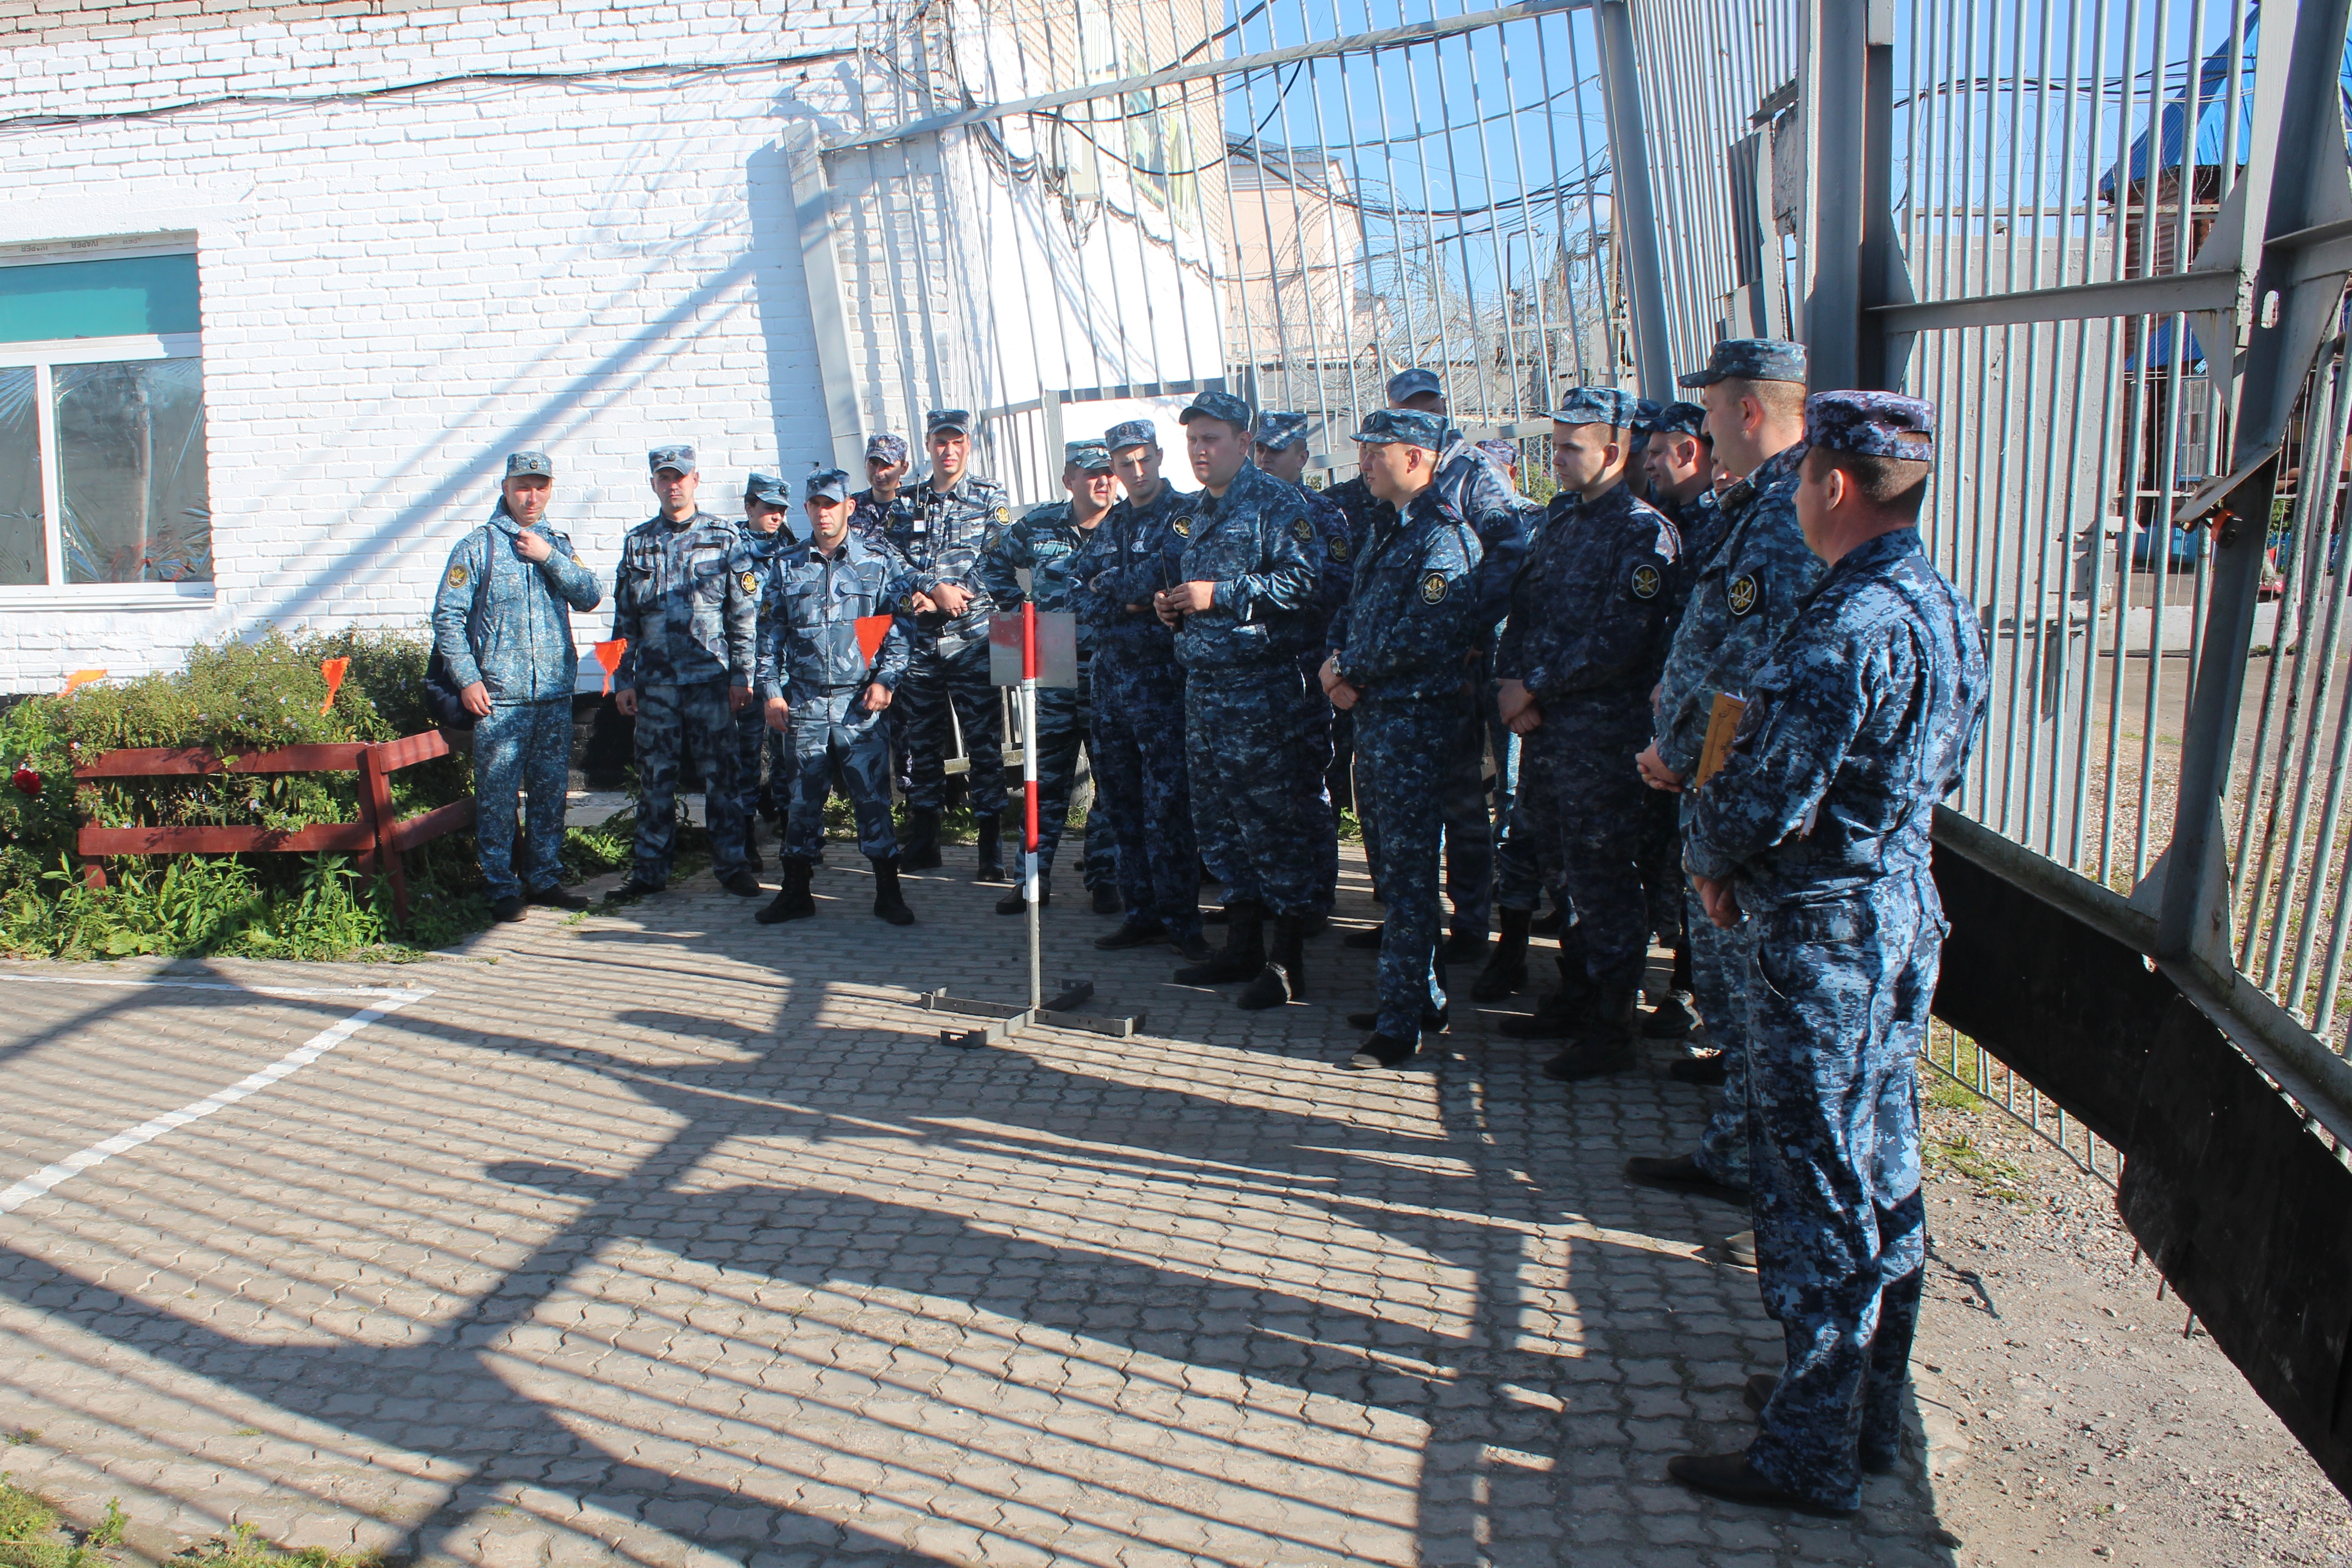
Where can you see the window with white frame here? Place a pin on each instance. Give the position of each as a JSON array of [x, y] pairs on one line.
[[102, 423]]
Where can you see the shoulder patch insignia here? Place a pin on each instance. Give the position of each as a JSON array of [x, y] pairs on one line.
[[456, 576], [1740, 593], [1003, 515], [1183, 527], [1433, 588], [1339, 548], [750, 583], [1645, 581], [1303, 529]]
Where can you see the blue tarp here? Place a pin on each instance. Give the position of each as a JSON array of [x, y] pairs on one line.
[[2212, 106]]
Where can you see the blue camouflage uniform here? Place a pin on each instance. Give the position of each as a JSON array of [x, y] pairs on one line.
[[1045, 541], [1586, 636], [1136, 740], [1699, 521], [940, 534], [687, 598], [1276, 431], [810, 657], [1857, 723], [1741, 601], [507, 622], [1243, 688], [754, 741], [1480, 489], [1413, 618]]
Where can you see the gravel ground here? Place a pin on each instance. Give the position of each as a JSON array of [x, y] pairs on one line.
[[2094, 1432]]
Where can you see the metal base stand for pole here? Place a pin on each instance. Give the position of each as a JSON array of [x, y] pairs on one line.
[[1004, 1019]]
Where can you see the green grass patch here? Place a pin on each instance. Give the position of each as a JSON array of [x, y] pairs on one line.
[[1992, 1174], [243, 1547]]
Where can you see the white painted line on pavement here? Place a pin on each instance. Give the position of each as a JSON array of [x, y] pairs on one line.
[[225, 985], [293, 1061]]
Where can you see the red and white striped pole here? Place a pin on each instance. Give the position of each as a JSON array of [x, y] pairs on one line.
[[1030, 878]]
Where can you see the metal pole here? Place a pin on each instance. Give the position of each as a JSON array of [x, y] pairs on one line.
[[1635, 218], [1030, 889], [1837, 39]]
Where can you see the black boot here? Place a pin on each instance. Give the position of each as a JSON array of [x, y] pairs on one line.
[[1243, 953], [1507, 966], [1558, 1016], [919, 849], [991, 858], [1365, 940], [1465, 944], [793, 903], [1672, 1018], [1284, 978], [1381, 1051], [887, 904], [1604, 1046], [1013, 903]]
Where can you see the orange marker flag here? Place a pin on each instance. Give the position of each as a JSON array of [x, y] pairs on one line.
[[79, 678], [334, 670], [871, 630], [608, 654]]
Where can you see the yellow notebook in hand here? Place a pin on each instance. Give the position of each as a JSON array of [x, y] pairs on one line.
[[1722, 724]]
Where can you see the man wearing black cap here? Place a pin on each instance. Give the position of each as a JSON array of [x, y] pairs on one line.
[[1044, 543], [1137, 734], [1239, 610], [1742, 600], [1817, 835], [1578, 659], [940, 529], [687, 601], [765, 497]]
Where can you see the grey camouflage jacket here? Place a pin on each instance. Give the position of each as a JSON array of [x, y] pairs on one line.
[[507, 622], [687, 596]]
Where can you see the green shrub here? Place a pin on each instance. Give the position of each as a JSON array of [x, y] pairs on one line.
[[236, 698]]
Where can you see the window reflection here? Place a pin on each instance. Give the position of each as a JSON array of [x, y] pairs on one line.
[[131, 472], [24, 555]]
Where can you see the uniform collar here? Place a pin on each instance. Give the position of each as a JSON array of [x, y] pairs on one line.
[[696, 519]]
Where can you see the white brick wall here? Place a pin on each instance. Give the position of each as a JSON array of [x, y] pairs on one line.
[[398, 291], [402, 286]]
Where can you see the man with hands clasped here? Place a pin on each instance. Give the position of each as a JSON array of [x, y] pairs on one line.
[[502, 623], [819, 688], [1399, 662]]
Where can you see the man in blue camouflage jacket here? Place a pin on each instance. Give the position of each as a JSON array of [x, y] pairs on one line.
[[687, 599], [1586, 638], [765, 498], [1138, 735], [1045, 542], [1278, 447], [818, 687], [1246, 585], [939, 529], [1818, 834], [502, 623], [1399, 662], [1742, 600]]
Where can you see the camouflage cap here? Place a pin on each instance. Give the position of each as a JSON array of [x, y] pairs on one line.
[[956, 419], [679, 458], [885, 449], [1504, 452], [1645, 416], [766, 489], [1131, 432], [1597, 405], [1222, 405], [1872, 425], [1680, 419], [521, 465], [1091, 456], [1409, 427], [1412, 383], [1275, 431], [826, 484], [1750, 359]]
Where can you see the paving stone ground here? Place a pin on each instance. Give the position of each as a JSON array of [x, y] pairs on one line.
[[665, 1238]]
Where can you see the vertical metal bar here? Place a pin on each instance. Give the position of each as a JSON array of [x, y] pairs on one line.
[[2315, 500], [1836, 58], [1634, 217], [1559, 185], [1494, 231], [1542, 344], [2001, 447]]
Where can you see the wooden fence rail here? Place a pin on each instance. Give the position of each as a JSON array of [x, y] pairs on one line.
[[377, 837]]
